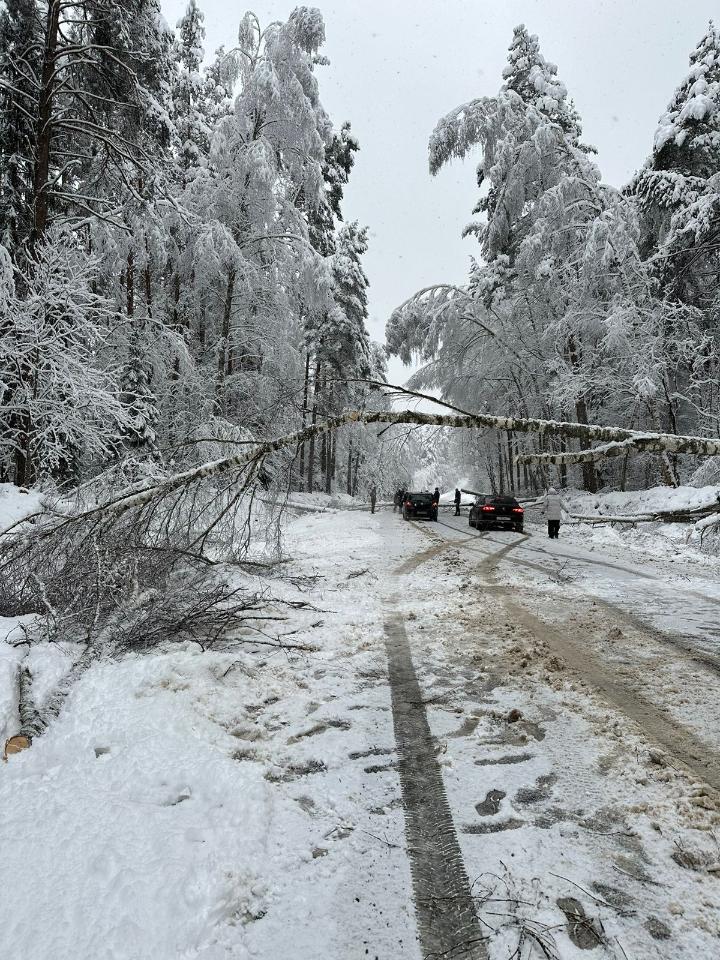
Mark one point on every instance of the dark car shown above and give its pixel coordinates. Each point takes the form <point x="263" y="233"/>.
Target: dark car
<point x="419" y="505"/>
<point x="497" y="513"/>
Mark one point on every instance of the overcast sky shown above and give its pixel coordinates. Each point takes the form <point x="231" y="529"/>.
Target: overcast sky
<point x="398" y="65"/>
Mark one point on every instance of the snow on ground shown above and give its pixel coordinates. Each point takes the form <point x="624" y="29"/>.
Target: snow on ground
<point x="245" y="802"/>
<point x="16" y="503"/>
<point x="557" y="797"/>
<point x="654" y="500"/>
<point x="221" y="804"/>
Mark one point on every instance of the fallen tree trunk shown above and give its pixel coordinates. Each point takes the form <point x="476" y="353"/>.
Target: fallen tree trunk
<point x="251" y="461"/>
<point x="666" y="516"/>
<point x="698" y="446"/>
<point x="649" y="443"/>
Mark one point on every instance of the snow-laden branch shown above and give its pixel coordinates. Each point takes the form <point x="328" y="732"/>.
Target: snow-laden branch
<point x="644" y="442"/>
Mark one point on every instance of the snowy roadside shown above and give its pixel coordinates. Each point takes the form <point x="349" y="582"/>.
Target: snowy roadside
<point x="650" y="541"/>
<point x="236" y="803"/>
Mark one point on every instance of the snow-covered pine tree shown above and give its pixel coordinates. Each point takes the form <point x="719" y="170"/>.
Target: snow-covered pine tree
<point x="323" y="217"/>
<point x="686" y="149"/>
<point x="95" y="76"/>
<point x="19" y="67"/>
<point x="189" y="106"/>
<point x="551" y="318"/>
<point x="529" y="135"/>
<point x="678" y="194"/>
<point x="138" y="398"/>
<point x="535" y="80"/>
<point x="351" y="345"/>
<point x="678" y="189"/>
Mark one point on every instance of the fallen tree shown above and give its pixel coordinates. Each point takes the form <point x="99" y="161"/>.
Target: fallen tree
<point x="146" y="564"/>
<point x="250" y="463"/>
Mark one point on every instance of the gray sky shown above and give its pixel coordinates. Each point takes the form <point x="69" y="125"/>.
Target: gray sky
<point x="398" y="65"/>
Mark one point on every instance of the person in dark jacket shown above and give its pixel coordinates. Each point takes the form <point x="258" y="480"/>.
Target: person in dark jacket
<point x="373" y="498"/>
<point x="458" y="499"/>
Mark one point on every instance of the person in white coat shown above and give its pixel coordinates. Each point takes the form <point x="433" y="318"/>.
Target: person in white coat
<point x="552" y="509"/>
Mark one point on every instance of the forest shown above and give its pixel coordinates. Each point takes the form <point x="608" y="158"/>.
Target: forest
<point x="183" y="320"/>
<point x="177" y="277"/>
<point x="259" y="698"/>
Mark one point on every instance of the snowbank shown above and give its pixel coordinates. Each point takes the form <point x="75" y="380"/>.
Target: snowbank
<point x="16" y="503"/>
<point x="655" y="500"/>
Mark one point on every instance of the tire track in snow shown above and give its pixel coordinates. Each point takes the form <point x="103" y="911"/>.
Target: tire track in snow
<point x="447" y="923"/>
<point x="678" y="641"/>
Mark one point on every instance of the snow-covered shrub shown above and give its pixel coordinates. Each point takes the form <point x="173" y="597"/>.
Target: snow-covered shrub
<point x="62" y="403"/>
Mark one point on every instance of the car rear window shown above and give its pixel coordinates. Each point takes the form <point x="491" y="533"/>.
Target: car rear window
<point x="504" y="501"/>
<point x="423" y="497"/>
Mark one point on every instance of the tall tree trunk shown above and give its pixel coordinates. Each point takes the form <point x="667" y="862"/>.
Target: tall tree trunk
<point x="306" y="387"/>
<point x="130" y="284"/>
<point x="313" y="420"/>
<point x="44" y="127"/>
<point x="323" y="460"/>
<point x="349" y="468"/>
<point x="356" y="469"/>
<point x="563" y="466"/>
<point x="508" y="437"/>
<point x="590" y="482"/>
<point x="581" y="415"/>
<point x="24" y="469"/>
<point x="501" y="472"/>
<point x="223" y="345"/>
<point x="147" y="277"/>
<point x="330" y="463"/>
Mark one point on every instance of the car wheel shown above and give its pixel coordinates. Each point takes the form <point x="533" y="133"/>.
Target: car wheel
<point x="470" y="522"/>
<point x="518" y="529"/>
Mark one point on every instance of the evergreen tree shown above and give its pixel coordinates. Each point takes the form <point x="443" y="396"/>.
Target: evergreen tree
<point x="534" y="79"/>
<point x="677" y="189"/>
<point x="351" y="345"/>
<point x="20" y="58"/>
<point x="192" y="125"/>
<point x="137" y="397"/>
<point x="93" y="95"/>
<point x="324" y="217"/>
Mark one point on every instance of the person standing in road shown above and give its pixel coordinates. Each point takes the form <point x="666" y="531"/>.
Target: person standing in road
<point x="552" y="509"/>
<point x="373" y="498"/>
<point x="457" y="502"/>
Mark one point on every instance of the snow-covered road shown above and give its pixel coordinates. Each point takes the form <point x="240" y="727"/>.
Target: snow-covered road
<point x="611" y="782"/>
<point x="495" y="746"/>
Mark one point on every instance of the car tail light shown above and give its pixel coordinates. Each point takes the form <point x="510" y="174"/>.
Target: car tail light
<point x="488" y="508"/>
<point x="517" y="510"/>
<point x="408" y="503"/>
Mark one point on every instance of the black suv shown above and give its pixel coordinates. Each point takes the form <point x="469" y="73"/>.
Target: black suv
<point x="497" y="513"/>
<point x="419" y="505"/>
